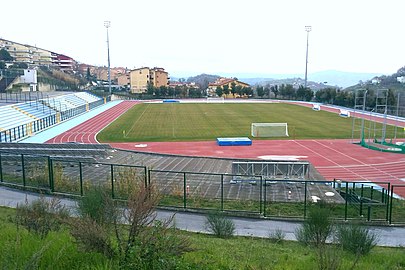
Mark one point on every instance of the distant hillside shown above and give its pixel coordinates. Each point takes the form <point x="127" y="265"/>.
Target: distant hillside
<point x="203" y="80"/>
<point x="329" y="77"/>
<point x="296" y="82"/>
<point x="384" y="81"/>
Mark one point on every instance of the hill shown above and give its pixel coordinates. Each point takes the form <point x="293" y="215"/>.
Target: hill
<point x="203" y="80"/>
<point x="315" y="80"/>
<point x="384" y="81"/>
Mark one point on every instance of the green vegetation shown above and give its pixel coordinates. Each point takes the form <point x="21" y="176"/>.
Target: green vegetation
<point x="58" y="250"/>
<point x="193" y="122"/>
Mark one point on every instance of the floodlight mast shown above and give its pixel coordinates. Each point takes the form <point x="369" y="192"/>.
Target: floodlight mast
<point x="107" y="25"/>
<point x="307" y="29"/>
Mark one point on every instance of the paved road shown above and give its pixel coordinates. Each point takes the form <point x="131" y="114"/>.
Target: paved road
<point x="388" y="236"/>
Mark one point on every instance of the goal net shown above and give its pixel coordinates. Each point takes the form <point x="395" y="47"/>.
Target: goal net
<point x="269" y="130"/>
<point x="215" y="100"/>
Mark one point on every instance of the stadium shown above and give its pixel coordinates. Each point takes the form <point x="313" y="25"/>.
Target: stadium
<point x="263" y="158"/>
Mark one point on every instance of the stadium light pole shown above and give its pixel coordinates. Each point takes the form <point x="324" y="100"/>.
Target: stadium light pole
<point x="107" y="24"/>
<point x="307" y="29"/>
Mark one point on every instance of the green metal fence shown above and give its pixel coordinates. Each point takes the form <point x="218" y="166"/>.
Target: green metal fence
<point x="247" y="194"/>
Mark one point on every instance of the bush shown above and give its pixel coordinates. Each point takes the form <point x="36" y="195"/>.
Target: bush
<point x="277" y="236"/>
<point x="220" y="225"/>
<point x="356" y="239"/>
<point x="97" y="205"/>
<point x="141" y="242"/>
<point x="41" y="216"/>
<point x="92" y="236"/>
<point x="316" y="228"/>
<point x="157" y="248"/>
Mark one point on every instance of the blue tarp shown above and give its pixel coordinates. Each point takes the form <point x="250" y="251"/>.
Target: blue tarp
<point x="170" y="101"/>
<point x="234" y="141"/>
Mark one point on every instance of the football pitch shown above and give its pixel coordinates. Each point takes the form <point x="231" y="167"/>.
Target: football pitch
<point x="150" y="122"/>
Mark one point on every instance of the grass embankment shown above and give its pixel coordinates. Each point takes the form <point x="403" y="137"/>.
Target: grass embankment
<point x="20" y="249"/>
<point x="196" y="122"/>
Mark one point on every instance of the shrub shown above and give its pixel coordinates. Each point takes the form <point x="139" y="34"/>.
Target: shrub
<point x="277" y="236"/>
<point x="220" y="225"/>
<point x="41" y="216"/>
<point x="157" y="248"/>
<point x="316" y="228"/>
<point x="315" y="231"/>
<point x="141" y="242"/>
<point x="97" y="205"/>
<point x="92" y="236"/>
<point x="356" y="239"/>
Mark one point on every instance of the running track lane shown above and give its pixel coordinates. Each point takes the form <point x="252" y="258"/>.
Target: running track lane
<point x="332" y="158"/>
<point x="87" y="131"/>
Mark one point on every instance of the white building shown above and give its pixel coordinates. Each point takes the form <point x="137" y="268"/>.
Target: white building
<point x="401" y="79"/>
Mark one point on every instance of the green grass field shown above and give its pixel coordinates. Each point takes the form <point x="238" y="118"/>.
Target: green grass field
<point x="201" y="121"/>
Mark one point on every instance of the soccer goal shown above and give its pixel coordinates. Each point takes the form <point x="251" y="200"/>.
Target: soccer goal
<point x="269" y="130"/>
<point x="215" y="100"/>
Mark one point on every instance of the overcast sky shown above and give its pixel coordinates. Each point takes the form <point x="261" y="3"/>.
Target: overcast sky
<point x="189" y="37"/>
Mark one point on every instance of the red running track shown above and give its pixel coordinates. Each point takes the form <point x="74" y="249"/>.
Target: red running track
<point x="87" y="131"/>
<point x="332" y="158"/>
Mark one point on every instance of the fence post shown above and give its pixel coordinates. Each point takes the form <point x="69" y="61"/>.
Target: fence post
<point x="146" y="176"/>
<point x="305" y="199"/>
<point x="184" y="191"/>
<point x="1" y="170"/>
<point x="50" y="172"/>
<point x="392" y="195"/>
<point x="265" y="198"/>
<point x="222" y="192"/>
<point x="112" y="181"/>
<point x="23" y="169"/>
<point x="81" y="178"/>
<point x="389" y="202"/>
<point x="260" y="195"/>
<point x="361" y="200"/>
<point x="346" y="198"/>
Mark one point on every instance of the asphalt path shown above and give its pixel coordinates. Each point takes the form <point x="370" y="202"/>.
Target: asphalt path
<point x="195" y="222"/>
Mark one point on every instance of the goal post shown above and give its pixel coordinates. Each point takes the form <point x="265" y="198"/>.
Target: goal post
<point x="215" y="100"/>
<point x="269" y="130"/>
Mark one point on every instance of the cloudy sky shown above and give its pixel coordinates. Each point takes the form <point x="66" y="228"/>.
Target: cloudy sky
<point x="189" y="37"/>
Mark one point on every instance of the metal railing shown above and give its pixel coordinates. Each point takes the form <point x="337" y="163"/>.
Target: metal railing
<point x="251" y="195"/>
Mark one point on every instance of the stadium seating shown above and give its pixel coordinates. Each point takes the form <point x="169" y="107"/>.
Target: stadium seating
<point x="11" y="117"/>
<point x="35" y="115"/>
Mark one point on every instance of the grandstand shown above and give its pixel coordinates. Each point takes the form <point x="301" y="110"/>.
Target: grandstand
<point x="20" y="120"/>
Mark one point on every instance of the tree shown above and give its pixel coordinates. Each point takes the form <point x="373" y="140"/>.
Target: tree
<point x="150" y="89"/>
<point x="163" y="91"/>
<point x="260" y="91"/>
<point x="233" y="88"/>
<point x="248" y="91"/>
<point x="300" y="94"/>
<point x="219" y="91"/>
<point x="225" y="89"/>
<point x="88" y="75"/>
<point x="2" y="65"/>
<point x="275" y="90"/>
<point x="239" y="90"/>
<point x="5" y="56"/>
<point x="391" y="98"/>
<point x="20" y="65"/>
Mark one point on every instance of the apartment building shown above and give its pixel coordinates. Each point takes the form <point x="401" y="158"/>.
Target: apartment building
<point x="140" y="78"/>
<point x="35" y="56"/>
<point x="221" y="82"/>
